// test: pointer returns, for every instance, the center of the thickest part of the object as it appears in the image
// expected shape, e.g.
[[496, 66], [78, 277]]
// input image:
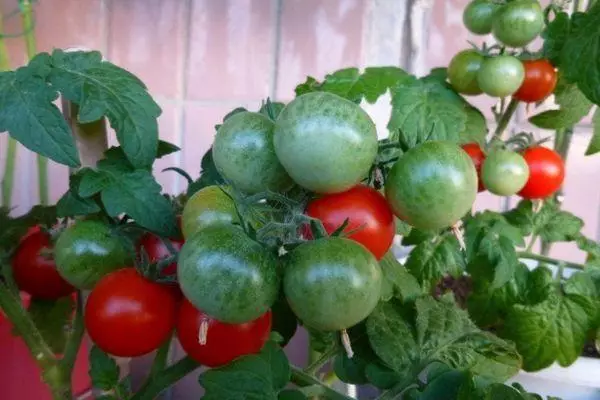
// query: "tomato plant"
[[369, 217], [224, 342], [249, 276], [143, 312], [539, 83], [34, 269], [546, 173], [501, 76]]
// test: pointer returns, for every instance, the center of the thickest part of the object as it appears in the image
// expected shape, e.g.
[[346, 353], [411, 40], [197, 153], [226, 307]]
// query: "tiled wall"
[[201, 58]]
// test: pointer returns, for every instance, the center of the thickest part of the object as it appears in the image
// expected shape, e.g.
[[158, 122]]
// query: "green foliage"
[[398, 282], [53, 319], [13, 229], [594, 146], [105, 374]]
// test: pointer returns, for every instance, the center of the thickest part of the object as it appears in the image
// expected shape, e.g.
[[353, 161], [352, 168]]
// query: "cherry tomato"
[[501, 76], [127, 315], [504, 172], [478, 156], [34, 269], [540, 81], [463, 70], [158, 250], [546, 173], [368, 213], [224, 342]]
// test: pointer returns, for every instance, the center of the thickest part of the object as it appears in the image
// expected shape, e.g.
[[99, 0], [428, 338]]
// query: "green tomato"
[[432, 185], [518, 23], [87, 251], [478, 16], [332, 283], [463, 70], [244, 155], [208, 206], [326, 143], [504, 172], [227, 275], [501, 76]]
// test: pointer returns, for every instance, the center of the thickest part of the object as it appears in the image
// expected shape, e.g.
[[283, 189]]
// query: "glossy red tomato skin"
[[539, 83], [478, 156], [35, 272], [546, 172], [127, 315], [157, 250], [224, 342], [368, 213]]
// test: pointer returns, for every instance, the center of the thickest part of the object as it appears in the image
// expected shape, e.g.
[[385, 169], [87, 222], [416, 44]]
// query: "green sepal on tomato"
[[332, 283], [127, 315], [326, 143], [34, 269], [222, 343], [87, 251], [226, 274], [208, 206], [546, 173], [368, 213], [244, 155], [432, 185], [504, 172]]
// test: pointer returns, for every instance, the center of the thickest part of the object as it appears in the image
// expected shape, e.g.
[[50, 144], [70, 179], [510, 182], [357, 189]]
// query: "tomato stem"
[[160, 359], [318, 363], [505, 118], [169, 376], [302, 379], [74, 341], [537, 257]]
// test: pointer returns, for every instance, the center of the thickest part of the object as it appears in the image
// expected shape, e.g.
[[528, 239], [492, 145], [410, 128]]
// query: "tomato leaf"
[[555, 35], [426, 110], [475, 128], [53, 319], [553, 330], [440, 332], [398, 282], [104, 371], [284, 321], [291, 394], [71, 204], [551, 223], [208, 175], [354, 86], [580, 56], [28, 114], [165, 148], [432, 260], [259, 376], [594, 146], [103, 89]]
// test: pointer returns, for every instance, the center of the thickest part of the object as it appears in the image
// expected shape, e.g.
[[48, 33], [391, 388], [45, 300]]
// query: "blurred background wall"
[[202, 58]]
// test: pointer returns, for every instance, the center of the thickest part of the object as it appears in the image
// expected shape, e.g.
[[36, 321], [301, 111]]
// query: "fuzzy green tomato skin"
[[517, 23], [326, 143], [208, 206], [244, 155], [478, 16], [501, 76], [87, 251], [227, 275], [504, 172], [463, 70], [432, 186], [332, 283]]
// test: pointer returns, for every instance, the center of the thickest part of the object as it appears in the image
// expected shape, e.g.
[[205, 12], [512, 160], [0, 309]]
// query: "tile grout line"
[[277, 7]]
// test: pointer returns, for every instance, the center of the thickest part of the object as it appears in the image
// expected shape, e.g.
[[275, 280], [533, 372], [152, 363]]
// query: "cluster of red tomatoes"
[[513, 24]]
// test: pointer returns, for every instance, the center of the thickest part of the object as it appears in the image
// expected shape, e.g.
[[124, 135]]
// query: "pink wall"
[[202, 58]]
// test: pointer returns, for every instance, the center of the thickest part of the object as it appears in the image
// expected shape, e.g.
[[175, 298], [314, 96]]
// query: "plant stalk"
[[302, 379], [160, 359], [30, 45], [505, 118], [153, 387], [318, 362], [549, 260], [74, 341], [11, 149]]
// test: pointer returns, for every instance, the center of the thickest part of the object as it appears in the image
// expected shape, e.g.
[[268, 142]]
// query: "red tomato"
[[539, 83], [478, 156], [34, 271], [157, 250], [368, 213], [546, 173], [224, 342], [127, 315]]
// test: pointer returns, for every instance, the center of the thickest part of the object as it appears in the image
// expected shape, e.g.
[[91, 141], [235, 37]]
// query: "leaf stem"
[[545, 259], [505, 118], [302, 379], [160, 359], [318, 363], [153, 387]]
